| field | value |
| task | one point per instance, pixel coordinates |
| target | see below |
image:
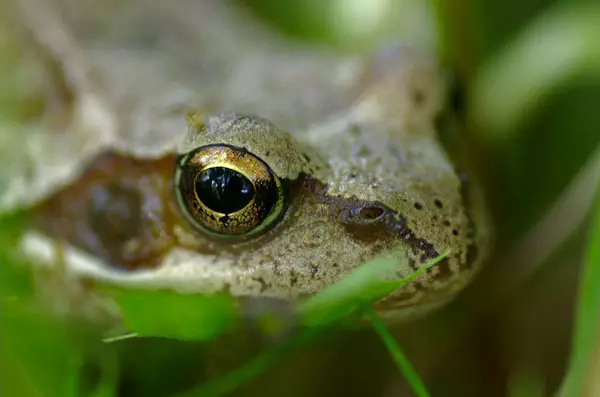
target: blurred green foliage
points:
(582, 375)
(347, 24)
(524, 172)
(182, 316)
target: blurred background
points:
(525, 79)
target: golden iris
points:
(227, 191)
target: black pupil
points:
(223, 189)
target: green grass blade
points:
(368, 283)
(119, 338)
(587, 322)
(557, 47)
(400, 359)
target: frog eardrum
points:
(227, 191)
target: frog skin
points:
(349, 139)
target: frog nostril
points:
(363, 215)
(371, 213)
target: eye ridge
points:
(227, 191)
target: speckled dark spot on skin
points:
(312, 244)
(263, 284)
(438, 203)
(413, 264)
(446, 222)
(430, 252)
(293, 278)
(313, 271)
(276, 267)
(418, 206)
(398, 224)
(472, 249)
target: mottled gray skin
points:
(360, 125)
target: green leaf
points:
(400, 359)
(36, 357)
(172, 315)
(368, 283)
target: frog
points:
(185, 146)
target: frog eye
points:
(227, 191)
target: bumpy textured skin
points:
(357, 128)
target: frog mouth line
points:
(45, 252)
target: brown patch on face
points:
(120, 210)
(124, 211)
